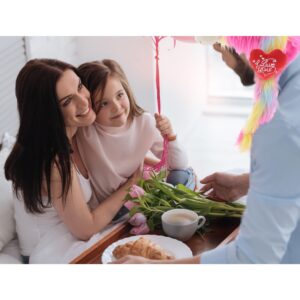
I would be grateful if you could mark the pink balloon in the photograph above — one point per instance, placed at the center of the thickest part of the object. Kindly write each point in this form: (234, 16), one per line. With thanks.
(185, 39)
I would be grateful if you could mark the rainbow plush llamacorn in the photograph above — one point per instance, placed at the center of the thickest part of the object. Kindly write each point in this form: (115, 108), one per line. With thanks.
(268, 56)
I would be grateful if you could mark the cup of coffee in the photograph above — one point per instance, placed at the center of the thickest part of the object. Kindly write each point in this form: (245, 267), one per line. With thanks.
(181, 223)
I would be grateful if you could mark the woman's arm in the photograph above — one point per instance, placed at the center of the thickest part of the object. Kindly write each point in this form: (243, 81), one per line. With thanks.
(76, 214)
(131, 259)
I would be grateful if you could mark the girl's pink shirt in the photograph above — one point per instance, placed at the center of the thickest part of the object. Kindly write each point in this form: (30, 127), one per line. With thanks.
(112, 154)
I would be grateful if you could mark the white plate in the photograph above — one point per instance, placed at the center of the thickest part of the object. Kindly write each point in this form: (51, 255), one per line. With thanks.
(172, 246)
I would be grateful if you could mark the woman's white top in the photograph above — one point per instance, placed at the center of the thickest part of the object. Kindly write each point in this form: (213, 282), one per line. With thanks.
(32, 227)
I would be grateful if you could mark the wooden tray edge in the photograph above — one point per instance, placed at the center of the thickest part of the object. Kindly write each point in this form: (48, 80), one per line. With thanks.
(88, 256)
(230, 237)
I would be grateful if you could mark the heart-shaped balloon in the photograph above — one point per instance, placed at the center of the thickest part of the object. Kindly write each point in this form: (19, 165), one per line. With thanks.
(267, 65)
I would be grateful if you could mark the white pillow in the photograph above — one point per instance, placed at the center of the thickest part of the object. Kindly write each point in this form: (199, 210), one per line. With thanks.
(8, 140)
(7, 222)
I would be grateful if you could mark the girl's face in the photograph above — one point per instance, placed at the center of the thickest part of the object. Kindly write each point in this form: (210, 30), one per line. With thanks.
(114, 106)
(74, 100)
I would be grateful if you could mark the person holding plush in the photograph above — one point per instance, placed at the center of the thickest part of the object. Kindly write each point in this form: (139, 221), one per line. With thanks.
(270, 227)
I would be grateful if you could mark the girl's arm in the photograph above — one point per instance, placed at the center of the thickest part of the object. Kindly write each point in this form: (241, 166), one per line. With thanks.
(76, 214)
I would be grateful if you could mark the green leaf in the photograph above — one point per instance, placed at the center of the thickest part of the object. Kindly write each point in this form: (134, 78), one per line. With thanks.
(151, 224)
(160, 197)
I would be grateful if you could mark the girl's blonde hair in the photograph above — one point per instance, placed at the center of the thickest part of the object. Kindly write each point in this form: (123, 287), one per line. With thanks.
(94, 76)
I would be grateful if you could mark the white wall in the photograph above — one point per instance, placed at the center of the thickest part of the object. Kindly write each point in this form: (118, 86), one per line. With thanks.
(183, 83)
(12, 59)
(58, 47)
(135, 56)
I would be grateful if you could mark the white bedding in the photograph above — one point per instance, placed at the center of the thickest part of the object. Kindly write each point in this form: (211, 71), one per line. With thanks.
(10, 254)
(59, 246)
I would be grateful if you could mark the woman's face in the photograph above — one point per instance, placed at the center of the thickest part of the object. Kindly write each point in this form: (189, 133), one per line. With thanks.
(74, 100)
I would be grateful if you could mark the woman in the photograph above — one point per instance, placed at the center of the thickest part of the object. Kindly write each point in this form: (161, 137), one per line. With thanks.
(270, 228)
(48, 176)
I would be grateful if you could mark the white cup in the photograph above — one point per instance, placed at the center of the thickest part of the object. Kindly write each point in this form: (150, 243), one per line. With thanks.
(181, 223)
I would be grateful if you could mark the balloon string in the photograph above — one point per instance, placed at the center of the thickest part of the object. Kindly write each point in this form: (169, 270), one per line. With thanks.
(164, 158)
(157, 39)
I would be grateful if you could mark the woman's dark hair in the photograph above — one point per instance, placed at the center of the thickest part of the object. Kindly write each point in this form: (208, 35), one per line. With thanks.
(41, 139)
(94, 76)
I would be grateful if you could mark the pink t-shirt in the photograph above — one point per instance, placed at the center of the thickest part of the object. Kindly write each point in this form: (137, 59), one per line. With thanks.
(112, 154)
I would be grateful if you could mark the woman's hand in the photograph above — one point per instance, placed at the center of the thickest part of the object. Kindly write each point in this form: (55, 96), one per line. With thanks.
(131, 259)
(163, 124)
(225, 187)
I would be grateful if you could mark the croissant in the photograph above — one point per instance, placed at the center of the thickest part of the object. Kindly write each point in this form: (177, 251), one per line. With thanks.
(141, 247)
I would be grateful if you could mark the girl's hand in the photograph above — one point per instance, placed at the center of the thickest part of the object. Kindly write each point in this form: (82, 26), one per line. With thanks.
(163, 124)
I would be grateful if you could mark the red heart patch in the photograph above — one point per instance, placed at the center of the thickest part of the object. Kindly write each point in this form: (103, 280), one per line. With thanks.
(267, 65)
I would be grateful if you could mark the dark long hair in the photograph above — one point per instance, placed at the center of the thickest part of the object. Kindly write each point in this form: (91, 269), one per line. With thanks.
(41, 140)
(94, 76)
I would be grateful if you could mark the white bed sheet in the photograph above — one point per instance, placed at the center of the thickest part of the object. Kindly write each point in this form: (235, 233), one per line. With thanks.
(10, 254)
(59, 246)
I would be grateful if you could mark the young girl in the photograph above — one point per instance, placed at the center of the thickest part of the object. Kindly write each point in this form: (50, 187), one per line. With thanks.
(118, 141)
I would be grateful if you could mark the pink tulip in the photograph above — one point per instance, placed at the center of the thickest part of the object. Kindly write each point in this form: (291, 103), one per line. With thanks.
(143, 229)
(130, 204)
(136, 191)
(137, 219)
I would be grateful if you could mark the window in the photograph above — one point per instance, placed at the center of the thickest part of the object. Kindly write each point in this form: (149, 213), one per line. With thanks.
(12, 59)
(225, 92)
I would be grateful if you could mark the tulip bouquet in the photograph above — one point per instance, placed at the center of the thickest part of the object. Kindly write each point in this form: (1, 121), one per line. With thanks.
(152, 197)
